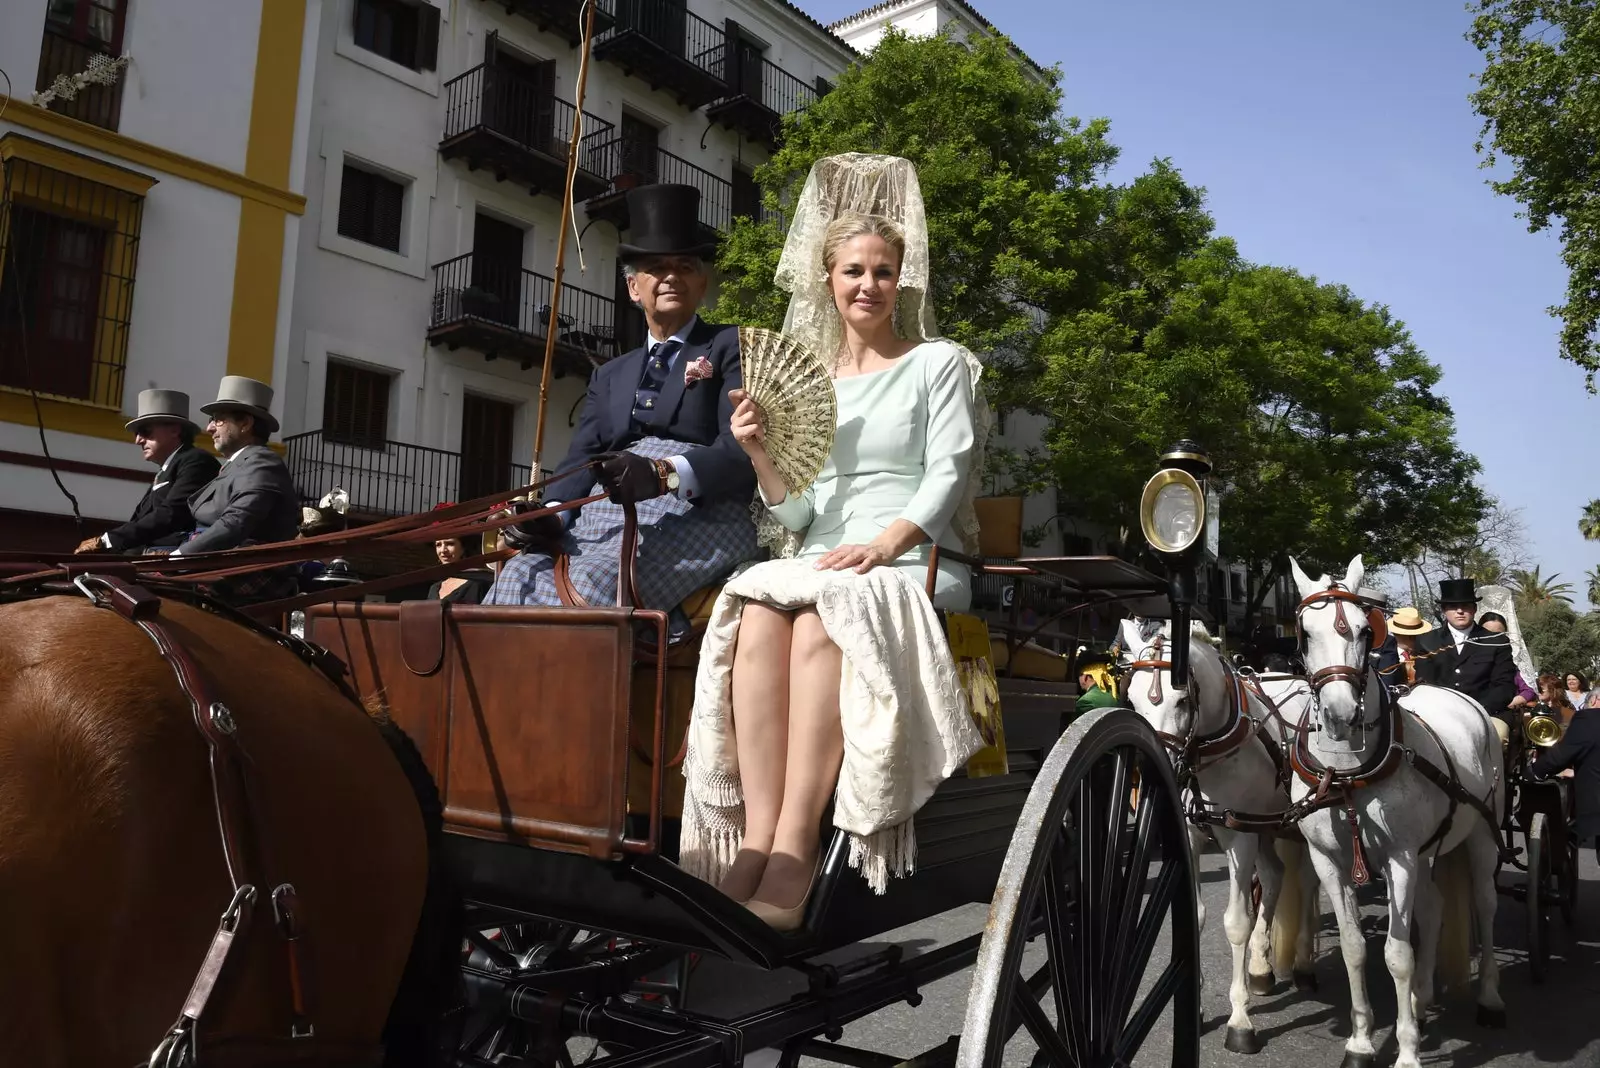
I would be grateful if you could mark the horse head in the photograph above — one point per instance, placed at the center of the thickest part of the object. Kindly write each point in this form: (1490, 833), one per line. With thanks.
(1337, 629)
(1180, 713)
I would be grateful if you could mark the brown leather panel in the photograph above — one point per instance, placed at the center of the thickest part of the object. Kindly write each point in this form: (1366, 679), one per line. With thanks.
(999, 526)
(422, 635)
(525, 722)
(679, 705)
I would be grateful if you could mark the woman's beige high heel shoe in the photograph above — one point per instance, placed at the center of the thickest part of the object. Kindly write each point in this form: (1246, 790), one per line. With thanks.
(784, 919)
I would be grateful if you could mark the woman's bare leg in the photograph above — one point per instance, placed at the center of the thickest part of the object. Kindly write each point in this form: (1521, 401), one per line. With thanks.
(761, 736)
(815, 751)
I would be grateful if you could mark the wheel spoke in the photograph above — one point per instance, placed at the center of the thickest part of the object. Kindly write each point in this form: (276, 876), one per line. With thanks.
(1164, 991)
(1168, 884)
(1083, 951)
(1058, 947)
(1038, 1025)
(1128, 896)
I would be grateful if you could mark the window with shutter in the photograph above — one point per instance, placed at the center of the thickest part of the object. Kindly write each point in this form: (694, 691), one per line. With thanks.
(402, 31)
(355, 406)
(371, 208)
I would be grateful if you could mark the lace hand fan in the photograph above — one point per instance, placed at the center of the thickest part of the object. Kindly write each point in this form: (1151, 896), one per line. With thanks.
(792, 387)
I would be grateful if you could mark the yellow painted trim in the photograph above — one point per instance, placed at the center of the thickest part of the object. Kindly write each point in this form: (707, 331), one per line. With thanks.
(17, 146)
(258, 264)
(68, 417)
(143, 154)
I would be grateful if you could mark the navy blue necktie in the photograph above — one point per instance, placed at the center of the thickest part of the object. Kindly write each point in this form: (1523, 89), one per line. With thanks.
(645, 397)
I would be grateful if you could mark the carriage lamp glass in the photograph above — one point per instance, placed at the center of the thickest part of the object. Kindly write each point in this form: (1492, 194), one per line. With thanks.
(1172, 511)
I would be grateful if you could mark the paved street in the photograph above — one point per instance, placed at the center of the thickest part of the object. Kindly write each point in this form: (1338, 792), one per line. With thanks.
(1556, 1023)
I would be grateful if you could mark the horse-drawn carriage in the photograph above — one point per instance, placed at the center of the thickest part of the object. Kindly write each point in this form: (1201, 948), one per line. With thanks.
(554, 735)
(1542, 813)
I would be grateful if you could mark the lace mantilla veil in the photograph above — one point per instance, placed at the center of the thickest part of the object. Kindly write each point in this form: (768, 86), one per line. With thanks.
(885, 186)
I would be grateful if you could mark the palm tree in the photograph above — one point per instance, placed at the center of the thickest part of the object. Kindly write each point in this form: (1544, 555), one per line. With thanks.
(1593, 575)
(1589, 522)
(1533, 588)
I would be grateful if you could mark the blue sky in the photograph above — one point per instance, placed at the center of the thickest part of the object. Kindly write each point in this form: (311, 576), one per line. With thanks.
(1337, 139)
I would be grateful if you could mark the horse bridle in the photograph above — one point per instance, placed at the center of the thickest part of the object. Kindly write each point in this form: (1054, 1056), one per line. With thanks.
(1192, 752)
(1377, 632)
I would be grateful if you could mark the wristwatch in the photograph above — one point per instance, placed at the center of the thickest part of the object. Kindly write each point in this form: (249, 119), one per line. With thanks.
(668, 475)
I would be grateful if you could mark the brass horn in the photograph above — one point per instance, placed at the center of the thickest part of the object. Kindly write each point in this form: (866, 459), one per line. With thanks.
(1543, 731)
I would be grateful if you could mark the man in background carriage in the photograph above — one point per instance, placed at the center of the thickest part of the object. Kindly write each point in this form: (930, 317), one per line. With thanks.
(252, 499)
(655, 428)
(1465, 656)
(165, 436)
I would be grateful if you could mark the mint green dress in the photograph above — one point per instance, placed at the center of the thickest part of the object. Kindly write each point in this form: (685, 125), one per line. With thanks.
(901, 451)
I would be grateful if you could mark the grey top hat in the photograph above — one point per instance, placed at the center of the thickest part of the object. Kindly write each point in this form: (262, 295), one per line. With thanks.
(162, 405)
(240, 394)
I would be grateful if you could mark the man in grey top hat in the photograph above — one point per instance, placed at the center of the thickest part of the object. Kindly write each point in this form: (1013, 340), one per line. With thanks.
(252, 500)
(165, 435)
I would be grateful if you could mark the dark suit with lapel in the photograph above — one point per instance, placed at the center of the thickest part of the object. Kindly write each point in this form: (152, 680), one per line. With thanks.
(1578, 750)
(162, 519)
(251, 500)
(1483, 669)
(696, 414)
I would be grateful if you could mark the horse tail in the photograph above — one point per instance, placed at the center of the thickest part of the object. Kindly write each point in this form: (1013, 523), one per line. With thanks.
(415, 1035)
(1452, 875)
(1286, 920)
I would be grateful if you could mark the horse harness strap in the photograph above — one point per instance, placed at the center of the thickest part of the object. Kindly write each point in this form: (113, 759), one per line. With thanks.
(239, 821)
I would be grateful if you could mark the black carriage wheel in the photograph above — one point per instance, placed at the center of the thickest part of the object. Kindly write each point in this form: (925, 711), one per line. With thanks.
(1569, 880)
(1538, 896)
(1099, 866)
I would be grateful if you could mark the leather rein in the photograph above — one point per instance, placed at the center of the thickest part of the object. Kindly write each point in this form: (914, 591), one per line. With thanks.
(253, 872)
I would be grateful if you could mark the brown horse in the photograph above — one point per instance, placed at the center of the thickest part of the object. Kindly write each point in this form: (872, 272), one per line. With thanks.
(112, 871)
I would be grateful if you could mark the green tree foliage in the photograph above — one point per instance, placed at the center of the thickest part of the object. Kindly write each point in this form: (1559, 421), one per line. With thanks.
(1593, 577)
(1560, 640)
(1540, 102)
(1589, 521)
(1533, 588)
(1114, 311)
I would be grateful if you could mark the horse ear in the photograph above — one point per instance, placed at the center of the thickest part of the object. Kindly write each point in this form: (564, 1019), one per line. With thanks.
(1354, 574)
(1302, 581)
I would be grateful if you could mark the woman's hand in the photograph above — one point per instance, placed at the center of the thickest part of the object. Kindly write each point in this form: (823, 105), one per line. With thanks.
(748, 424)
(857, 558)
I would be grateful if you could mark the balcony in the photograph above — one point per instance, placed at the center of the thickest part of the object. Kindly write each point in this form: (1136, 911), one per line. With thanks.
(505, 124)
(761, 93)
(665, 45)
(503, 310)
(98, 105)
(561, 17)
(392, 477)
(635, 163)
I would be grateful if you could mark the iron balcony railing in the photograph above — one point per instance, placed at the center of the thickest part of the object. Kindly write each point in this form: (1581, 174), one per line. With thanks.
(510, 296)
(99, 105)
(497, 99)
(668, 25)
(394, 477)
(763, 81)
(628, 162)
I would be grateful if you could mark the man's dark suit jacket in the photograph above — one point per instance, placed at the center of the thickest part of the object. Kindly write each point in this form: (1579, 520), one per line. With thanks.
(162, 518)
(1577, 750)
(251, 500)
(696, 414)
(1483, 669)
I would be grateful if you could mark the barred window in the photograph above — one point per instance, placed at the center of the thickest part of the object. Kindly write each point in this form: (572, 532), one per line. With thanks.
(68, 250)
(75, 31)
(371, 208)
(355, 406)
(402, 31)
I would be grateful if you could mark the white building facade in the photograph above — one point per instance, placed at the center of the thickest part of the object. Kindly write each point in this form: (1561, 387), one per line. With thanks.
(437, 156)
(148, 227)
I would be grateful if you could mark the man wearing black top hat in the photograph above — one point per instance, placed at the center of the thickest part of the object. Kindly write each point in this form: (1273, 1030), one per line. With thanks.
(655, 430)
(1465, 656)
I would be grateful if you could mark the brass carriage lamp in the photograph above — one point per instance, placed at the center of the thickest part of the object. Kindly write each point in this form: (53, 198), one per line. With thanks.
(1173, 516)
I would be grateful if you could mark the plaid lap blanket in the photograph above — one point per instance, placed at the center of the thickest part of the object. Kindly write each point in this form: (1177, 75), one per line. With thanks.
(682, 548)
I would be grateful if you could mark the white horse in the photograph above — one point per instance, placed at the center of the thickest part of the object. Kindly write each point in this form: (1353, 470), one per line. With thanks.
(1227, 745)
(1421, 787)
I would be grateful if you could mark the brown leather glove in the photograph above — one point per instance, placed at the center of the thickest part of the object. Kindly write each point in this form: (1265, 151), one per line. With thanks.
(629, 478)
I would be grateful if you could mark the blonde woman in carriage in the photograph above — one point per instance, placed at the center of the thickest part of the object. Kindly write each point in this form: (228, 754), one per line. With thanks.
(825, 667)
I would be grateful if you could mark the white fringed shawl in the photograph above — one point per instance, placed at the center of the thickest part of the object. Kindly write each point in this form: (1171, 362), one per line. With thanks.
(906, 720)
